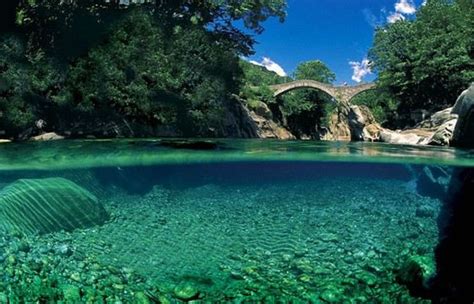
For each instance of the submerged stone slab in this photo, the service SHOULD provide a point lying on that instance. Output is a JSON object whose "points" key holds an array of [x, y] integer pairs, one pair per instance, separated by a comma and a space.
{"points": [[38, 206]]}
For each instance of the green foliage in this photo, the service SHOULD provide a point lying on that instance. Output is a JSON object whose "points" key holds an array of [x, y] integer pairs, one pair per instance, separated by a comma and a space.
{"points": [[159, 63], [299, 101], [145, 77], [315, 70], [382, 105], [256, 81], [255, 75], [254, 95], [26, 81], [427, 62], [328, 108], [308, 109], [48, 20]]}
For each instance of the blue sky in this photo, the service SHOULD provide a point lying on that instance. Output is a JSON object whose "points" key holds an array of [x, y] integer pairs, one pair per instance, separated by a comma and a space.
{"points": [[335, 31]]}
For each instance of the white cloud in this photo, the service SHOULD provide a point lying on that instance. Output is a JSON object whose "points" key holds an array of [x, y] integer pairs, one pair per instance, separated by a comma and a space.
{"points": [[394, 17], [271, 66], [402, 8], [360, 69], [256, 63], [406, 7], [424, 2]]}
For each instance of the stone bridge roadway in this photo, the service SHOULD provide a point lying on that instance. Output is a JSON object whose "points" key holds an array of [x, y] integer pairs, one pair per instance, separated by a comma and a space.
{"points": [[342, 94]]}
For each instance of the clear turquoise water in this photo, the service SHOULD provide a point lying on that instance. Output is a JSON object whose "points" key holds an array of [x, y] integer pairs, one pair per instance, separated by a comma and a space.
{"points": [[227, 221]]}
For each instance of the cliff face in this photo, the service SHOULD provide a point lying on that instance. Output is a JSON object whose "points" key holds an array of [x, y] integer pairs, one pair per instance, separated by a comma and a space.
{"points": [[242, 122]]}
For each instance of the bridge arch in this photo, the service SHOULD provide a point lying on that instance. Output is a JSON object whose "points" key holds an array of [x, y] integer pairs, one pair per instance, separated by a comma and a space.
{"points": [[342, 94], [302, 84]]}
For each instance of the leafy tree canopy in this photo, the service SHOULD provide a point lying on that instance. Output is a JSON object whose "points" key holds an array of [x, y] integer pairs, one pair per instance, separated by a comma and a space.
{"points": [[167, 63], [427, 62], [46, 20], [315, 70]]}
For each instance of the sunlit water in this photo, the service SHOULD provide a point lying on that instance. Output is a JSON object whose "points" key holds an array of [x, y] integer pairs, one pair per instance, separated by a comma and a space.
{"points": [[226, 221]]}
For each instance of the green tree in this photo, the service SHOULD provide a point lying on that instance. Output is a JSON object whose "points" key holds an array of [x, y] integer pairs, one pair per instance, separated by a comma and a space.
{"points": [[147, 63], [315, 70], [48, 21], [255, 83], [427, 62], [382, 104], [26, 82], [306, 109], [147, 78]]}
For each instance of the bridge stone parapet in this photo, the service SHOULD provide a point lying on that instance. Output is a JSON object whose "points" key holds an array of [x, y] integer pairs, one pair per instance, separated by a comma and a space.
{"points": [[342, 94]]}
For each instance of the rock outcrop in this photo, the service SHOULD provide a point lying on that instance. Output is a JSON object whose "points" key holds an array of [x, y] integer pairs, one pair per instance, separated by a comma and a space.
{"points": [[38, 206], [338, 127], [237, 122], [47, 137], [408, 137], [257, 122], [436, 130], [352, 123], [464, 131], [363, 124], [266, 127], [452, 126]]}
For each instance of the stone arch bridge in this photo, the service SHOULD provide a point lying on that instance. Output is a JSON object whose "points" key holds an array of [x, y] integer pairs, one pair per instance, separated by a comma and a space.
{"points": [[342, 94]]}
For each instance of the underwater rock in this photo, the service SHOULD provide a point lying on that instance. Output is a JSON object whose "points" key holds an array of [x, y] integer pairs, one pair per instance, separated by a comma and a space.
{"points": [[48, 205], [186, 292], [331, 295], [415, 273], [141, 298], [191, 145], [425, 211], [433, 181], [71, 293]]}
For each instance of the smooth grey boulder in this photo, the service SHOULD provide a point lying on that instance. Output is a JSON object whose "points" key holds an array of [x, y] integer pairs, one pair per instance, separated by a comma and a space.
{"points": [[444, 133], [464, 132], [47, 137], [399, 138]]}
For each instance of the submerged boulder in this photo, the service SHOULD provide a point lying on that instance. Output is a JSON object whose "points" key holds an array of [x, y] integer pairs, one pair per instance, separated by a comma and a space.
{"points": [[415, 273], [48, 205]]}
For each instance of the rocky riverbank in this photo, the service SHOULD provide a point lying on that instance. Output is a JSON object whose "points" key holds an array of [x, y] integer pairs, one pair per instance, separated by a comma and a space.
{"points": [[453, 126], [450, 127]]}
